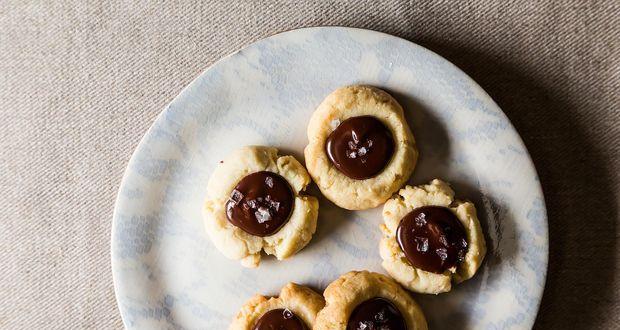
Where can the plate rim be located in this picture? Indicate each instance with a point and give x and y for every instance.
(141, 145)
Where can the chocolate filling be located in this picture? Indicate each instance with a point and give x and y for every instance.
(376, 314)
(432, 238)
(260, 204)
(360, 147)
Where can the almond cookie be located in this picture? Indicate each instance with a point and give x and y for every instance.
(360, 148)
(254, 203)
(365, 300)
(295, 309)
(430, 239)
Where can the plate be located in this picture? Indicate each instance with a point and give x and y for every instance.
(167, 273)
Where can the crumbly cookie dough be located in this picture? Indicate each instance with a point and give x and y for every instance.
(345, 103)
(436, 193)
(356, 287)
(302, 301)
(237, 244)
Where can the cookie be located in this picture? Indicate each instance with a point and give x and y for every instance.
(295, 308)
(255, 202)
(365, 300)
(360, 148)
(430, 239)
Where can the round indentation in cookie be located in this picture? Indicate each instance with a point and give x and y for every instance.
(360, 147)
(432, 238)
(376, 313)
(260, 204)
(276, 319)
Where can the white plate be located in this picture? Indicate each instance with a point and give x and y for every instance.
(167, 274)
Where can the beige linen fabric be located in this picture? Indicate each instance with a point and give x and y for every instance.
(80, 83)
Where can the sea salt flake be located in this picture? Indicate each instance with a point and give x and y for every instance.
(380, 316)
(421, 243)
(275, 205)
(369, 143)
(442, 253)
(443, 240)
(229, 209)
(420, 220)
(352, 154)
(262, 214)
(352, 145)
(269, 182)
(461, 255)
(463, 243)
(236, 196)
(362, 151)
(334, 123)
(252, 203)
(365, 325)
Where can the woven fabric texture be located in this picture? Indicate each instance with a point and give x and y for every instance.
(80, 83)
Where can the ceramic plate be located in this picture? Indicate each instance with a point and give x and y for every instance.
(167, 273)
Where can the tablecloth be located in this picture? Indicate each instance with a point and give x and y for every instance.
(81, 81)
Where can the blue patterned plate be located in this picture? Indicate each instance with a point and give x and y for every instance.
(167, 274)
